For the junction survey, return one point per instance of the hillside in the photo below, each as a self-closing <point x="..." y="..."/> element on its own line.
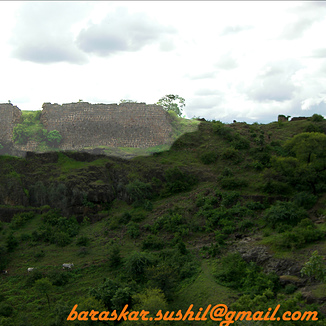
<point x="228" y="215"/>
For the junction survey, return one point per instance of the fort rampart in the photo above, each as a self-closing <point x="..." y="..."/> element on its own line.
<point x="83" y="124"/>
<point x="9" y="117"/>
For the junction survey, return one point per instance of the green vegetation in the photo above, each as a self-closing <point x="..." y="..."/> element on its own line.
<point x="173" y="103"/>
<point x="31" y="129"/>
<point x="231" y="214"/>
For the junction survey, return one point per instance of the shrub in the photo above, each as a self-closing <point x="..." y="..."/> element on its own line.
<point x="40" y="254"/>
<point x="11" y="242"/>
<point x="53" y="138"/>
<point x="178" y="181"/>
<point x="245" y="225"/>
<point x="231" y="183"/>
<point x="255" y="205"/>
<point x="236" y="273"/>
<point x="136" y="263"/>
<point x="305" y="200"/>
<point x="315" y="267"/>
<point x="241" y="143"/>
<point x="227" y="172"/>
<point x="83" y="240"/>
<point x="5" y="309"/>
<point x="209" y="158"/>
<point x="317" y="118"/>
<point x="139" y="190"/>
<point x="59" y="279"/>
<point x="276" y="187"/>
<point x="61" y="239"/>
<point x="152" y="243"/>
<point x="230" y="198"/>
<point x="115" y="259"/>
<point x="313" y="128"/>
<point x="20" y="219"/>
<point x="284" y="213"/>
<point x="290" y="288"/>
<point x="304" y="233"/>
<point x="125" y="218"/>
<point x="133" y="230"/>
<point x="230" y="154"/>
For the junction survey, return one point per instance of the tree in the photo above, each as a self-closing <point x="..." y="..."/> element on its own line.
<point x="308" y="147"/>
<point x="315" y="267"/>
<point x="306" y="161"/>
<point x="44" y="286"/>
<point x="173" y="103"/>
<point x="54" y="138"/>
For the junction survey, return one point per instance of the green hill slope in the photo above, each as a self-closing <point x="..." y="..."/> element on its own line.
<point x="229" y="215"/>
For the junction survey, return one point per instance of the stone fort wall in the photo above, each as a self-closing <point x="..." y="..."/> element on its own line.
<point x="91" y="125"/>
<point x="9" y="117"/>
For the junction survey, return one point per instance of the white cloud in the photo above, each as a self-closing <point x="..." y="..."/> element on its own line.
<point x="246" y="61"/>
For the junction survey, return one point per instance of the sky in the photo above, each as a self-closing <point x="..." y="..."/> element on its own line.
<point x="247" y="61"/>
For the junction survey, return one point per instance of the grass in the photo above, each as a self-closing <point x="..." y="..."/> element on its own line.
<point x="92" y="267"/>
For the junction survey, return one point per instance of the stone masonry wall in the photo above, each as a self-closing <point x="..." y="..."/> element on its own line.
<point x="9" y="117"/>
<point x="91" y="125"/>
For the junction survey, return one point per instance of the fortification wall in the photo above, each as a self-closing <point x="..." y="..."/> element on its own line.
<point x="9" y="117"/>
<point x="91" y="125"/>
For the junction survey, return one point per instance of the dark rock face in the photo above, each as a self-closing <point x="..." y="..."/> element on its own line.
<point x="262" y="257"/>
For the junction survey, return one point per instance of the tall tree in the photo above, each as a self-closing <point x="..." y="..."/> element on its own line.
<point x="173" y="103"/>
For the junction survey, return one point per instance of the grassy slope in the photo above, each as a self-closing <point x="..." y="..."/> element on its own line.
<point x="31" y="307"/>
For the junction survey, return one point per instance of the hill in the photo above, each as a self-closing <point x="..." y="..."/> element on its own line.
<point x="228" y="215"/>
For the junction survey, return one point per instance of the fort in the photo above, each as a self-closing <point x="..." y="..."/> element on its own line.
<point x="83" y="124"/>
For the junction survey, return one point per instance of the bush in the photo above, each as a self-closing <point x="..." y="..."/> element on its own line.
<point x="209" y="158"/>
<point x="234" y="272"/>
<point x="53" y="138"/>
<point x="276" y="188"/>
<point x="227" y="172"/>
<point x="304" y="233"/>
<point x="178" y="181"/>
<point x="83" y="241"/>
<point x="5" y="309"/>
<point x="317" y="118"/>
<point x="230" y="198"/>
<point x="230" y="154"/>
<point x="40" y="254"/>
<point x="231" y="183"/>
<point x="313" y="128"/>
<point x="21" y="219"/>
<point x="115" y="259"/>
<point x="241" y="143"/>
<point x="133" y="230"/>
<point x="305" y="200"/>
<point x="11" y="242"/>
<point x="61" y="239"/>
<point x="139" y="190"/>
<point x="136" y="263"/>
<point x="125" y="218"/>
<point x="59" y="279"/>
<point x="284" y="213"/>
<point x="152" y="243"/>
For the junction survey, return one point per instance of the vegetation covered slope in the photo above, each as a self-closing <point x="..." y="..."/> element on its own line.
<point x="230" y="214"/>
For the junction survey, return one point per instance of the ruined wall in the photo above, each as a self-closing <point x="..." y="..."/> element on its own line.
<point x="91" y="125"/>
<point x="9" y="117"/>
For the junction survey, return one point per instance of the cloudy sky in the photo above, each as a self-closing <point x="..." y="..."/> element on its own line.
<point x="244" y="61"/>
